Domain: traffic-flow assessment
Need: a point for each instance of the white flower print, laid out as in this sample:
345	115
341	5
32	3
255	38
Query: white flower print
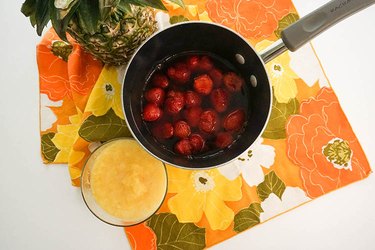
272	206
250	163
310	71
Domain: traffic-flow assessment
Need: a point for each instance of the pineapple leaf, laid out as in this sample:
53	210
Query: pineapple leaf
32	20
105	7
57	21
41	15
60	21
64	4
124	6
28	8
178	2
88	14
157	4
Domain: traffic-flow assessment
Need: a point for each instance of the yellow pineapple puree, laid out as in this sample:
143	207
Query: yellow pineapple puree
126	181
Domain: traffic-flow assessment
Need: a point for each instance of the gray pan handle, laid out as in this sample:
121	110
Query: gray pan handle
310	26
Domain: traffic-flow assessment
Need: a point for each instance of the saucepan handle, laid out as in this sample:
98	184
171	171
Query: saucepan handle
311	25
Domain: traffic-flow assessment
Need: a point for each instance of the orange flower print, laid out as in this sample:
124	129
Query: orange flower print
251	18
58	76
321	142
83	70
53	74
141	237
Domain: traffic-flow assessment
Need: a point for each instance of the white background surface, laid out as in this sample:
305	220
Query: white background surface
39	209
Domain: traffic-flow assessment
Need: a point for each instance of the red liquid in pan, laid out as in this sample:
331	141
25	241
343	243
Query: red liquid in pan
195	104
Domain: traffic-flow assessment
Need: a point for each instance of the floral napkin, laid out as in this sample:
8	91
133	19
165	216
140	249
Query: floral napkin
308	148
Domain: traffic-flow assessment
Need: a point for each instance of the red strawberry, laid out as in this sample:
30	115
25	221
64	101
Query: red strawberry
193	62
197	142
192	99
160	80
208	121
192	115
163	131
216	76
179	73
155	95
171	72
219	99
223	140
183	147
203	84
205	64
234	121
181	129
175	94
233	82
173	105
151	112
175	102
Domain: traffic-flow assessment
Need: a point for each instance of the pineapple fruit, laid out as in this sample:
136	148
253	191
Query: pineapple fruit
118	38
111	30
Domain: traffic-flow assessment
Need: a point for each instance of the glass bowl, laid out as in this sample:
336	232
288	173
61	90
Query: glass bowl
122	184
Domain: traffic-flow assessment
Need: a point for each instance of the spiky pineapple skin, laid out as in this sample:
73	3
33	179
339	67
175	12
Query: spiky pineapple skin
118	37
61	49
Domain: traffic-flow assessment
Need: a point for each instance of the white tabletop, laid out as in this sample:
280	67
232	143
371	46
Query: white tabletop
39	209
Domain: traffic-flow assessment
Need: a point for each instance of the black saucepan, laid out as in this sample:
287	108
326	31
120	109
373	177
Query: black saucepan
224	43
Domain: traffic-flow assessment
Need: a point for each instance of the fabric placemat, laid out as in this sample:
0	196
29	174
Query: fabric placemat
307	150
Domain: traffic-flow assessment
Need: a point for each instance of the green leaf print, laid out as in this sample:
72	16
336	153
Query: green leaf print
247	218
103	128
177	19
279	115
285	22
171	234
49	150
178	2
271	184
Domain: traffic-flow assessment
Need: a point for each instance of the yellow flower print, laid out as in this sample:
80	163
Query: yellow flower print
106	94
75	168
281	75
202	191
190	11
204	17
66	136
200	4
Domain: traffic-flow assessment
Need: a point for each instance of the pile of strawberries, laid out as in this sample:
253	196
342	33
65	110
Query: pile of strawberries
188	105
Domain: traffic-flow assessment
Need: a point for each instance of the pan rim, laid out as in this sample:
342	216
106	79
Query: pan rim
192	23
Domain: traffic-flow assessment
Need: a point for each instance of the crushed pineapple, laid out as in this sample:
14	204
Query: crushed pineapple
126	181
